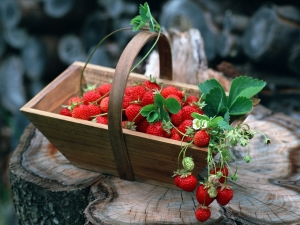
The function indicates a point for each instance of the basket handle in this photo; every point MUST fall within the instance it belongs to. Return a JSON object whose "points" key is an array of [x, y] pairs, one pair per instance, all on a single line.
{"points": [[117, 94]]}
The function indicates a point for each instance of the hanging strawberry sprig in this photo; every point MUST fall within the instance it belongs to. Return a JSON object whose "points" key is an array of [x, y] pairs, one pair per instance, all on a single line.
{"points": [[144, 21]]}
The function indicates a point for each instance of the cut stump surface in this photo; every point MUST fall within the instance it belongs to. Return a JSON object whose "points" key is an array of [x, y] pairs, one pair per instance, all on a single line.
{"points": [[48, 188]]}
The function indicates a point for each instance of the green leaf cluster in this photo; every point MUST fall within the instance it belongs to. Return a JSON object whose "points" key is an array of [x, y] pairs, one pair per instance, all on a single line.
{"points": [[159, 111], [238, 102], [144, 18]]}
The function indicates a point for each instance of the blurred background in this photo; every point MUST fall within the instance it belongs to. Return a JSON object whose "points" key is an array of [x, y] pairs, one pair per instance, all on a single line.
{"points": [[41, 38]]}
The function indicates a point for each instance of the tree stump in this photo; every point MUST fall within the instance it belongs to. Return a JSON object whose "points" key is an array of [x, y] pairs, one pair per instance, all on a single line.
{"points": [[48, 189]]}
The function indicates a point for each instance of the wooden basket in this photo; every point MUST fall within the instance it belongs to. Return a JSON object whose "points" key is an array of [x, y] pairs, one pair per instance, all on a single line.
{"points": [[131, 155]]}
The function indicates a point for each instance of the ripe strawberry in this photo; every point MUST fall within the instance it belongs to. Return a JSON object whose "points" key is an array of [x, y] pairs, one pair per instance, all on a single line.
{"points": [[91, 96], [202, 195], [132, 113], [188, 110], [143, 125], [202, 213], [81, 112], [187, 183], [156, 129], [225, 194], [137, 92], [190, 100], [147, 98], [104, 89], [104, 104], [152, 84], [102, 119], [74, 100], [201, 138], [128, 90], [126, 101], [185, 125], [175, 135], [177, 180], [176, 119], [65, 112], [94, 110], [165, 92], [223, 170]]}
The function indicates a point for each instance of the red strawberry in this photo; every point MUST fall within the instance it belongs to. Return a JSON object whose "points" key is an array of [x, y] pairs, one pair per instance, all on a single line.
{"points": [[143, 125], [126, 101], [128, 90], [201, 138], [202, 195], [225, 194], [152, 84], [156, 129], [223, 170], [187, 183], [81, 112], [202, 213], [65, 112], [102, 120], [104, 89], [137, 92], [176, 119], [177, 180], [190, 100], [175, 135], [132, 113], [148, 98], [104, 104], [185, 125], [74, 100], [165, 92], [91, 97], [188, 110], [94, 110]]}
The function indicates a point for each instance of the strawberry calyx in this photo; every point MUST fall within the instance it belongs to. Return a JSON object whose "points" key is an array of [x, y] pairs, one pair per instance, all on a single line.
{"points": [[182, 173]]}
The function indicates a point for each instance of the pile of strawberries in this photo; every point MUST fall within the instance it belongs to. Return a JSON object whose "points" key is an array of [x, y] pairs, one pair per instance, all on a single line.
{"points": [[93, 106]]}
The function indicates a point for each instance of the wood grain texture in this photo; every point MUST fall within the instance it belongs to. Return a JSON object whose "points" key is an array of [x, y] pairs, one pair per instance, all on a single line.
{"points": [[46, 188], [267, 191]]}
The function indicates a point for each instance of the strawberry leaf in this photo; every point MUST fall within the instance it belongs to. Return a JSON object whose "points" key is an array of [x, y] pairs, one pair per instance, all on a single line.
{"points": [[244, 87], [164, 115], [153, 116], [137, 23], [240, 106], [159, 100], [214, 101], [172, 105], [214, 122], [146, 16], [146, 110], [224, 125], [199, 116]]}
